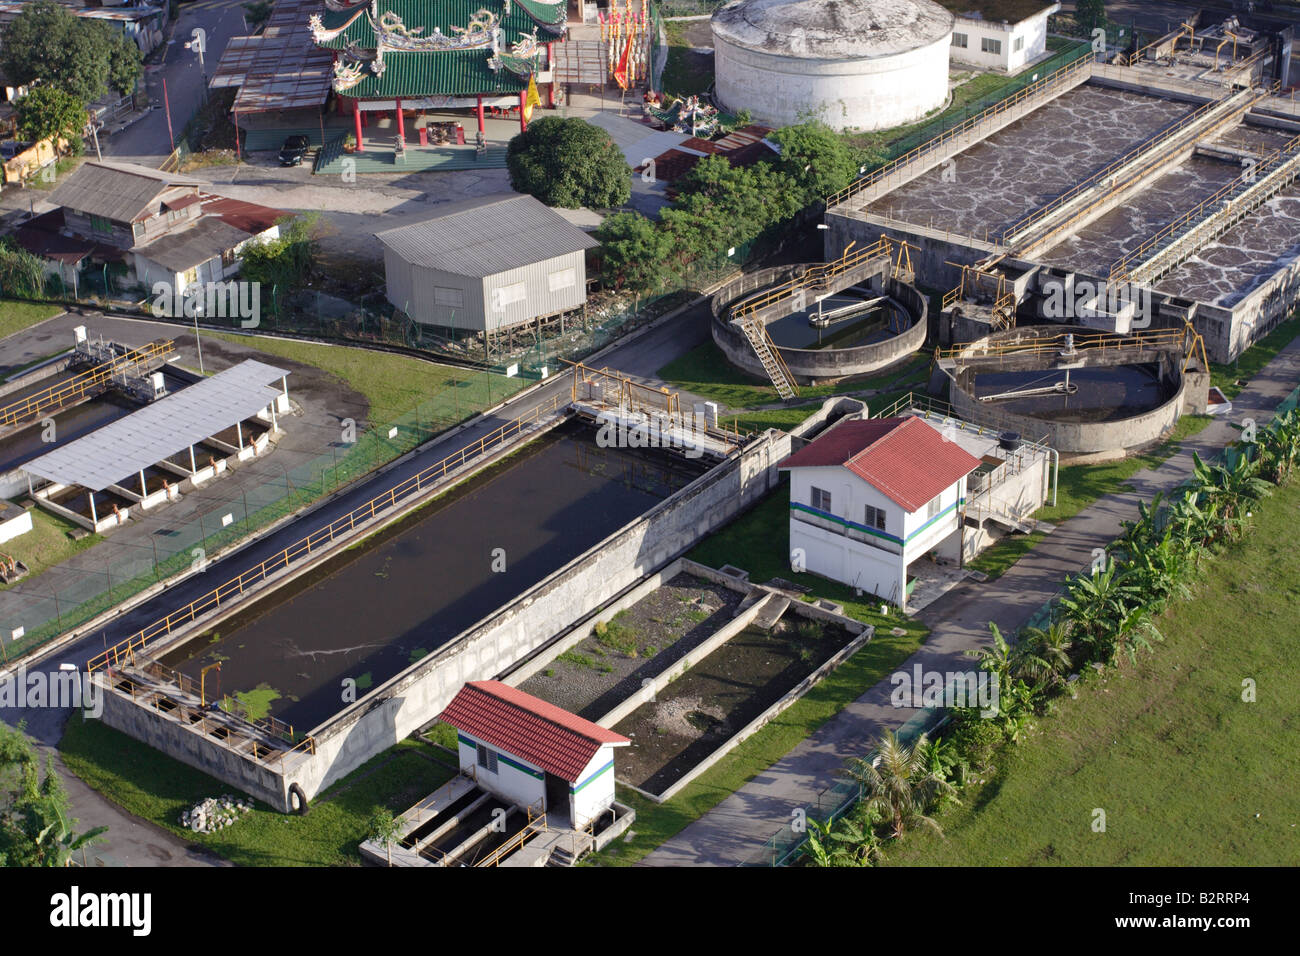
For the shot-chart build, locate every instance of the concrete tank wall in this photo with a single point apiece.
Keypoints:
(866, 94)
(816, 365)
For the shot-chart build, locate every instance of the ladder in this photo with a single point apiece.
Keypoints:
(768, 356)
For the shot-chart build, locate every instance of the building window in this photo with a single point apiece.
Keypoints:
(932, 509)
(821, 500)
(875, 518)
(487, 759)
(453, 298)
(959, 39)
(1019, 44)
(505, 295)
(564, 279)
(990, 45)
(228, 258)
(100, 224)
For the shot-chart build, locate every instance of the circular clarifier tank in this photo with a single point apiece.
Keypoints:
(851, 331)
(1044, 382)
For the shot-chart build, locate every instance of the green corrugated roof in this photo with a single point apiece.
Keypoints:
(450, 73)
(442, 14)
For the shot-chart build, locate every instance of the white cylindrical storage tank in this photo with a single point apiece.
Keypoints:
(853, 64)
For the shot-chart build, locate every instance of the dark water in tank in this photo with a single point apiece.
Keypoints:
(375, 609)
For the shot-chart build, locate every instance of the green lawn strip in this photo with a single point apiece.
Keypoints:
(1080, 486)
(1187, 772)
(153, 786)
(393, 384)
(686, 71)
(705, 371)
(756, 542)
(1253, 359)
(16, 315)
(47, 544)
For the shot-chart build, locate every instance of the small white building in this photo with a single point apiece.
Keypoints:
(982, 38)
(534, 754)
(868, 498)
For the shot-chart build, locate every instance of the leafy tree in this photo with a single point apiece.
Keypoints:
(569, 163)
(816, 159)
(22, 275)
(898, 785)
(1090, 14)
(634, 251)
(125, 66)
(48, 112)
(259, 11)
(385, 829)
(34, 826)
(47, 43)
(282, 264)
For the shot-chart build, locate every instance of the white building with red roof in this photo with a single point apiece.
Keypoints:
(533, 754)
(869, 497)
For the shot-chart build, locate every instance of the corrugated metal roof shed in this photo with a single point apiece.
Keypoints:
(119, 191)
(190, 248)
(481, 237)
(170, 425)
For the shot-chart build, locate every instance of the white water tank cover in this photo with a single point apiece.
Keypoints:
(854, 64)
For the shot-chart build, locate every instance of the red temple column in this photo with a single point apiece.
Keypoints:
(481, 128)
(401, 125)
(356, 116)
(523, 99)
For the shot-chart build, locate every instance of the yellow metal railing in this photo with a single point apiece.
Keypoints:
(1082, 341)
(1066, 72)
(56, 396)
(123, 653)
(534, 826)
(821, 275)
(1100, 176)
(1126, 265)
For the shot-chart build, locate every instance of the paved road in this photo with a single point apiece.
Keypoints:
(735, 830)
(146, 141)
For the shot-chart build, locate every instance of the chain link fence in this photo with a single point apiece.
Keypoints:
(102, 577)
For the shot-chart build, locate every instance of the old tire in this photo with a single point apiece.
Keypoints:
(297, 800)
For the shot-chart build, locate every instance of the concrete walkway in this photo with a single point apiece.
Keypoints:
(736, 829)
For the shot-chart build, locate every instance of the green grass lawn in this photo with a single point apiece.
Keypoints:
(1253, 359)
(157, 788)
(46, 544)
(686, 71)
(705, 372)
(394, 384)
(757, 542)
(1187, 773)
(16, 315)
(1081, 485)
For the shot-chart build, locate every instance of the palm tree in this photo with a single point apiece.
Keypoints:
(1096, 603)
(1043, 655)
(898, 785)
(1136, 632)
(998, 659)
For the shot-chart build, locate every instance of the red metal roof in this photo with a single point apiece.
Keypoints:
(246, 216)
(905, 459)
(528, 727)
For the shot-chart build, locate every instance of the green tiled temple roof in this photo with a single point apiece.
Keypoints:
(442, 14)
(449, 73)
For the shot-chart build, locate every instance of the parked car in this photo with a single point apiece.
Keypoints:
(293, 150)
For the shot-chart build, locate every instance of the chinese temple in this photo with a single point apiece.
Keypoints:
(395, 55)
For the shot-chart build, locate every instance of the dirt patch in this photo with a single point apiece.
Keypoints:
(596, 674)
(696, 713)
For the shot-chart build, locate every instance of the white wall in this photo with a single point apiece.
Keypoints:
(841, 547)
(1032, 31)
(594, 790)
(522, 785)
